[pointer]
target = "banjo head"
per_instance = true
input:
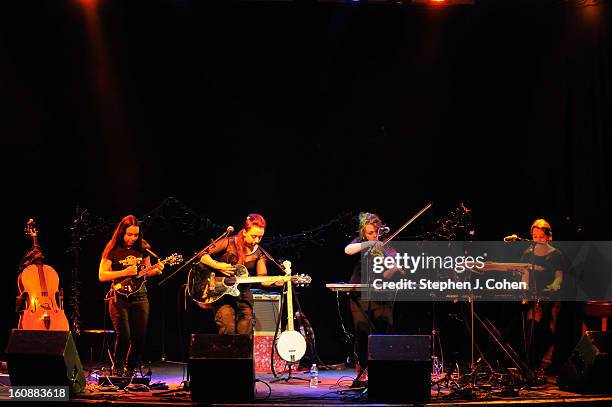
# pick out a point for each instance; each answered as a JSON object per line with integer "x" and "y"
{"x": 291, "y": 346}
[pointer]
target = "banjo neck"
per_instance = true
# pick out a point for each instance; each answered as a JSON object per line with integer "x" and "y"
{"x": 289, "y": 306}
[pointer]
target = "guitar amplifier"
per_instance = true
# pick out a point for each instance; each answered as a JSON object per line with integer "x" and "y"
{"x": 266, "y": 308}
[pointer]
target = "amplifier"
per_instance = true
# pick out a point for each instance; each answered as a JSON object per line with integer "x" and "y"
{"x": 266, "y": 309}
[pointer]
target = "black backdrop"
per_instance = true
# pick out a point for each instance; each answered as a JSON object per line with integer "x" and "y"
{"x": 299, "y": 111}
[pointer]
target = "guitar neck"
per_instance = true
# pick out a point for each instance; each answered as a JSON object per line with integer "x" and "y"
{"x": 261, "y": 279}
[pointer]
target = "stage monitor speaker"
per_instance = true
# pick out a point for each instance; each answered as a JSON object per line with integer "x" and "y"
{"x": 221, "y": 368}
{"x": 44, "y": 358}
{"x": 589, "y": 367}
{"x": 399, "y": 368}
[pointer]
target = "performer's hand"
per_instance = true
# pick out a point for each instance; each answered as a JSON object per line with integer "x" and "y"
{"x": 271, "y": 283}
{"x": 131, "y": 271}
{"x": 159, "y": 267}
{"x": 225, "y": 268}
{"x": 393, "y": 271}
{"x": 553, "y": 287}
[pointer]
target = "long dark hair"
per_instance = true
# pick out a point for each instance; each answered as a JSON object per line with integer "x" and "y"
{"x": 253, "y": 219}
{"x": 117, "y": 238}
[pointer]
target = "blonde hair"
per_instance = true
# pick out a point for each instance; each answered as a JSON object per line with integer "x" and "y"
{"x": 367, "y": 218}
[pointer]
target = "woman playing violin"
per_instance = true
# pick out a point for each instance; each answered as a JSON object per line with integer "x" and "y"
{"x": 369, "y": 317}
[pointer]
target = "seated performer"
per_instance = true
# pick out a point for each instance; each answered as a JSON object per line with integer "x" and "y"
{"x": 235, "y": 315}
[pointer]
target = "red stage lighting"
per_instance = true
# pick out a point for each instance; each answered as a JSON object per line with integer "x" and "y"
{"x": 444, "y": 2}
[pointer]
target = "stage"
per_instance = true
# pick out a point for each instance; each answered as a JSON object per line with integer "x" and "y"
{"x": 334, "y": 388}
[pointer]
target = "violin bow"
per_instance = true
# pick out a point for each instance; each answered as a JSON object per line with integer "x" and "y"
{"x": 405, "y": 225}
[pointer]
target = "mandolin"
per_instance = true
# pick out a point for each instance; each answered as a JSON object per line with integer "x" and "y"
{"x": 133, "y": 284}
{"x": 40, "y": 284}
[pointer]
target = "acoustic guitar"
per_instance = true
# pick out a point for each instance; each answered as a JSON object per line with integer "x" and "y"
{"x": 39, "y": 283}
{"x": 206, "y": 286}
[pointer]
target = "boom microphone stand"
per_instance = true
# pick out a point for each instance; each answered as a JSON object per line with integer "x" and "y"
{"x": 202, "y": 252}
{"x": 199, "y": 254}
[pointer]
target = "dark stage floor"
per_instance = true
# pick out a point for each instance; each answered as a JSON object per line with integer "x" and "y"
{"x": 334, "y": 388}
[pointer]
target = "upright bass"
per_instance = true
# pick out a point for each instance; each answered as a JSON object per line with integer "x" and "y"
{"x": 39, "y": 287}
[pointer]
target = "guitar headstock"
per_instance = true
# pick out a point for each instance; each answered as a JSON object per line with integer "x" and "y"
{"x": 173, "y": 259}
{"x": 31, "y": 229}
{"x": 301, "y": 280}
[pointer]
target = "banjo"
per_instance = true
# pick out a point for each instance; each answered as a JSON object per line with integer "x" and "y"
{"x": 290, "y": 345}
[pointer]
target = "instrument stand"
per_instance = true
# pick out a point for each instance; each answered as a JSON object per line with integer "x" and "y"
{"x": 359, "y": 384}
{"x": 528, "y": 375}
{"x": 438, "y": 364}
{"x": 348, "y": 337}
{"x": 289, "y": 375}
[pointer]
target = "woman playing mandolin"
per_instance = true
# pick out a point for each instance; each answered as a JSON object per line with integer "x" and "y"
{"x": 235, "y": 315}
{"x": 124, "y": 254}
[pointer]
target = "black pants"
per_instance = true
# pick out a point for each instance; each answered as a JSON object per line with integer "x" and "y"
{"x": 381, "y": 318}
{"x": 130, "y": 319}
{"x": 235, "y": 317}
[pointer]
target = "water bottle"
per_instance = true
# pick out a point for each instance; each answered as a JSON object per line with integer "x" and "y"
{"x": 314, "y": 375}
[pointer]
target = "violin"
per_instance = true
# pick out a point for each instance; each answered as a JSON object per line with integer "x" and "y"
{"x": 39, "y": 283}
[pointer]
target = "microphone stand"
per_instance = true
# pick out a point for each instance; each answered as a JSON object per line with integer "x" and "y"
{"x": 269, "y": 256}
{"x": 195, "y": 256}
{"x": 198, "y": 254}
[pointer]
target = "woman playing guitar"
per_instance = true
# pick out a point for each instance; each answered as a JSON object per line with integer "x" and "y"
{"x": 124, "y": 254}
{"x": 235, "y": 315}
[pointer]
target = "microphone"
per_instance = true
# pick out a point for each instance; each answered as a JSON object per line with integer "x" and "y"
{"x": 514, "y": 238}
{"x": 229, "y": 230}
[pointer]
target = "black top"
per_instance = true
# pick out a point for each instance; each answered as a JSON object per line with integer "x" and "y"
{"x": 388, "y": 250}
{"x": 551, "y": 262}
{"x": 122, "y": 257}
{"x": 226, "y": 251}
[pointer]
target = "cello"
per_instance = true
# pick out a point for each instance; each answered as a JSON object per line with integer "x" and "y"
{"x": 39, "y": 284}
